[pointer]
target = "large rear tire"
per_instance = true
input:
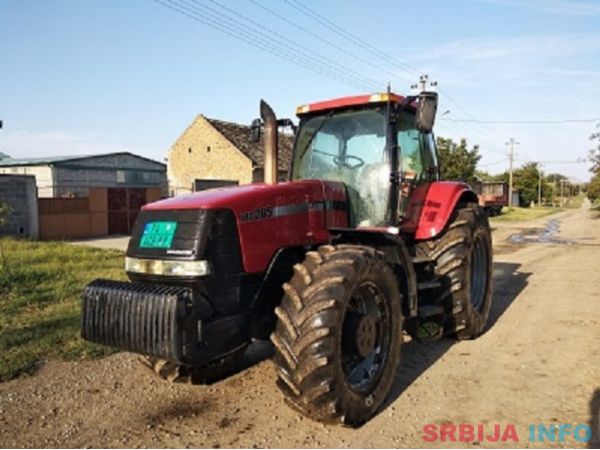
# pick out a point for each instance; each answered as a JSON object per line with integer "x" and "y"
{"x": 463, "y": 256}
{"x": 338, "y": 335}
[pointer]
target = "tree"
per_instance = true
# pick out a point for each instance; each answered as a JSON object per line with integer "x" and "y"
{"x": 594, "y": 157}
{"x": 5, "y": 211}
{"x": 456, "y": 161}
{"x": 526, "y": 180}
{"x": 593, "y": 188}
{"x": 484, "y": 176}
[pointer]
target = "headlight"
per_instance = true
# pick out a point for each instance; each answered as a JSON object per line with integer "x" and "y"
{"x": 167, "y": 267}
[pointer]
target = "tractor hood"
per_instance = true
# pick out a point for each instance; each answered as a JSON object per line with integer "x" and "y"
{"x": 239, "y": 198}
{"x": 271, "y": 216}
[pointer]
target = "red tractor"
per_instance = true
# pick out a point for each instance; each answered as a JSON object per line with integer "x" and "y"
{"x": 363, "y": 246}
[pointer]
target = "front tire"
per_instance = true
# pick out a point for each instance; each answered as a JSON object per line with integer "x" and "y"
{"x": 338, "y": 334}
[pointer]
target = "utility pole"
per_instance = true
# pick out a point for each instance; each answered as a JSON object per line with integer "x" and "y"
{"x": 424, "y": 84}
{"x": 511, "y": 157}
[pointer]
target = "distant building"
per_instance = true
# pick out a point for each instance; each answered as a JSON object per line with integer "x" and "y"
{"x": 212, "y": 152}
{"x": 73, "y": 176}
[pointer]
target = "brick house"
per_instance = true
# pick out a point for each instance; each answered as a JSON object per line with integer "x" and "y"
{"x": 213, "y": 152}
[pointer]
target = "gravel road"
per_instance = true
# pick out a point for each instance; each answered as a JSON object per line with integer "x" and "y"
{"x": 538, "y": 362}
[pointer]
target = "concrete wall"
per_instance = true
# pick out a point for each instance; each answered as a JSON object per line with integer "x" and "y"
{"x": 19, "y": 192}
{"x": 70, "y": 218}
{"x": 83, "y": 217}
{"x": 42, "y": 174}
{"x": 201, "y": 152}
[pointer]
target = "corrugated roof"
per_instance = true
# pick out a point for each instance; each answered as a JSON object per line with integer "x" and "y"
{"x": 37, "y": 161}
{"x": 47, "y": 160}
{"x": 239, "y": 136}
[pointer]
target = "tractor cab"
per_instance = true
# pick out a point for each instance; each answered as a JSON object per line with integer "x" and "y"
{"x": 374, "y": 144}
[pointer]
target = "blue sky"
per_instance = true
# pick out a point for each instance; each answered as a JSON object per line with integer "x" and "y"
{"x": 80, "y": 77}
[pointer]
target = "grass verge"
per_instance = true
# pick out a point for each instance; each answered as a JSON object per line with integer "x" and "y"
{"x": 522, "y": 214}
{"x": 596, "y": 209}
{"x": 40, "y": 290}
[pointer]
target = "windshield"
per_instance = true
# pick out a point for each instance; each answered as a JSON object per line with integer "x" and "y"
{"x": 348, "y": 147}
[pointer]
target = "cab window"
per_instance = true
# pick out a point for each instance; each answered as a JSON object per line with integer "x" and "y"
{"x": 429, "y": 157}
{"x": 417, "y": 150}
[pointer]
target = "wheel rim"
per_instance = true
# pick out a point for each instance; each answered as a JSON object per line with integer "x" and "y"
{"x": 479, "y": 271}
{"x": 365, "y": 338}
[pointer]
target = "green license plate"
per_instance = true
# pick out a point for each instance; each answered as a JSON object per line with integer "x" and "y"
{"x": 158, "y": 235}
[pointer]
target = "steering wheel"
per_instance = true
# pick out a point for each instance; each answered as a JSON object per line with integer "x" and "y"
{"x": 342, "y": 161}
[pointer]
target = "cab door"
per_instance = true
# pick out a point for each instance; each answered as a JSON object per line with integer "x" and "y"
{"x": 419, "y": 170}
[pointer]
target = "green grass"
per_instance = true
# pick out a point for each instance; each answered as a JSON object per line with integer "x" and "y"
{"x": 518, "y": 214}
{"x": 40, "y": 290}
{"x": 596, "y": 209}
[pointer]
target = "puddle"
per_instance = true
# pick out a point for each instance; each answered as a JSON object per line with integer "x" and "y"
{"x": 546, "y": 235}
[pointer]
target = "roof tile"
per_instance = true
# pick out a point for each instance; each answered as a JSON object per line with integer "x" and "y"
{"x": 239, "y": 136}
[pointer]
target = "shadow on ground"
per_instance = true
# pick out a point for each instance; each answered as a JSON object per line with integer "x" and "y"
{"x": 595, "y": 419}
{"x": 418, "y": 357}
{"x": 255, "y": 353}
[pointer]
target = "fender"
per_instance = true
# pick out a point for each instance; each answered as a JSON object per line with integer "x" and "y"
{"x": 439, "y": 203}
{"x": 396, "y": 253}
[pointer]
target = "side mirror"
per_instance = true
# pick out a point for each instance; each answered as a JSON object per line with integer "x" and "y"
{"x": 426, "y": 109}
{"x": 255, "y": 129}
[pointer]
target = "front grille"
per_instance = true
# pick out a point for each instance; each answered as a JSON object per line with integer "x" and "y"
{"x": 211, "y": 235}
{"x": 150, "y": 319}
{"x": 190, "y": 236}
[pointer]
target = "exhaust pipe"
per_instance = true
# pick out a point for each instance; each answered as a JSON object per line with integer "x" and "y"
{"x": 271, "y": 142}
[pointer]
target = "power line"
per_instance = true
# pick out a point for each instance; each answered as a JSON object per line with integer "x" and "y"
{"x": 311, "y": 56}
{"x": 365, "y": 45}
{"x": 368, "y": 47}
{"x": 349, "y": 36}
{"x": 524, "y": 122}
{"x": 424, "y": 84}
{"x": 469, "y": 115}
{"x": 483, "y": 141}
{"x": 492, "y": 163}
{"x": 322, "y": 39}
{"x": 260, "y": 43}
{"x": 294, "y": 43}
{"x": 578, "y": 161}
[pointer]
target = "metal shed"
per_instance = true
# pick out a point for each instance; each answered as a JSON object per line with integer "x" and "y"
{"x": 73, "y": 176}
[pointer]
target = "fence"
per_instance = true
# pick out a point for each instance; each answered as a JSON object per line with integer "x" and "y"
{"x": 105, "y": 211}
